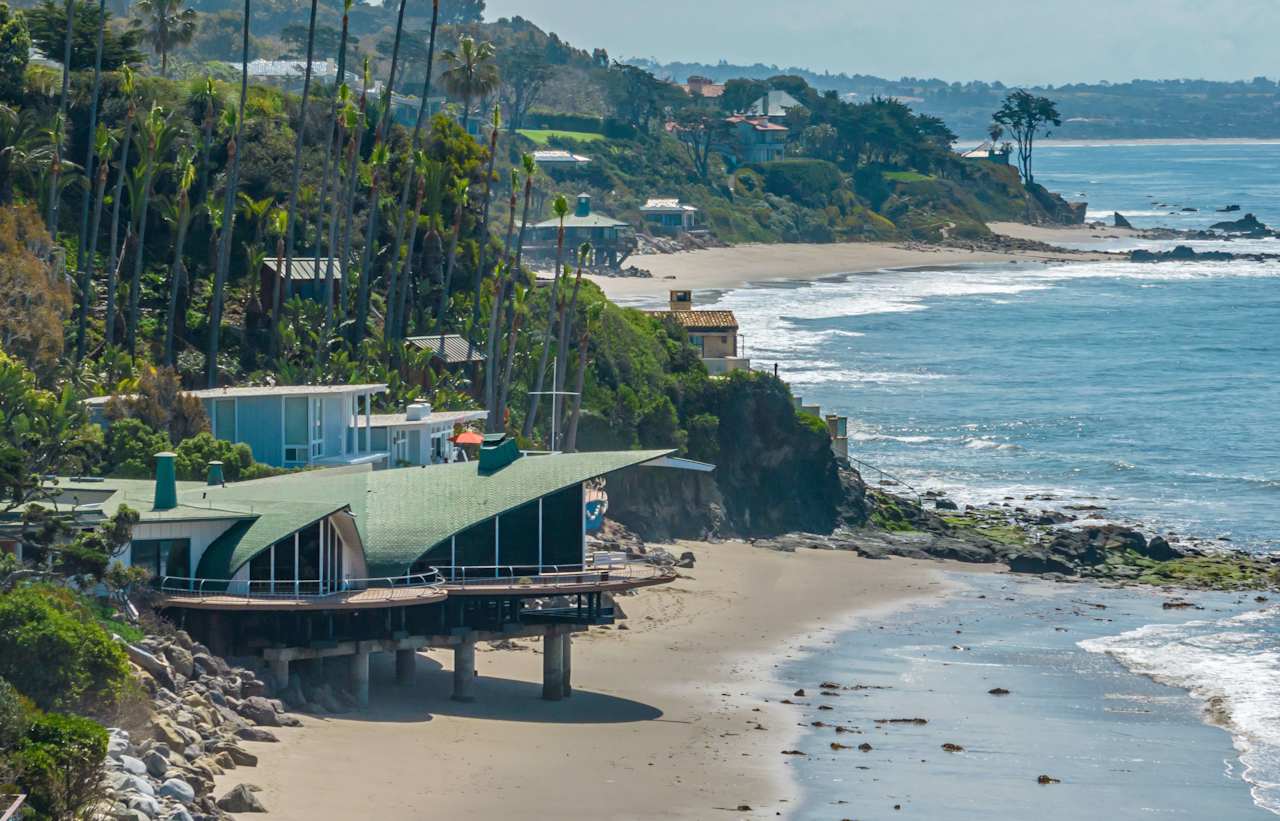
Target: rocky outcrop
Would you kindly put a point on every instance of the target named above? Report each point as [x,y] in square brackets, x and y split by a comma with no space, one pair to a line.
[1248,225]
[1119,221]
[203,710]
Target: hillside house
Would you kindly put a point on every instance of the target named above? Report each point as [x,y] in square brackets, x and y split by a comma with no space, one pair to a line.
[307,279]
[713,333]
[668,215]
[757,139]
[705,87]
[420,436]
[612,241]
[773,106]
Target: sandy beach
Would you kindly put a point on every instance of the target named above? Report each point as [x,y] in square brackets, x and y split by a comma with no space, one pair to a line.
[668,718]
[741,265]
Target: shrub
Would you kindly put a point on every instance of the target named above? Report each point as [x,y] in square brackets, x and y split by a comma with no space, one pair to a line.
[131,448]
[807,182]
[15,47]
[60,764]
[15,717]
[55,653]
[195,454]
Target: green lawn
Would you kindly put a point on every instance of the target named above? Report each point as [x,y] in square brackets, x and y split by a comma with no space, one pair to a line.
[906,176]
[541,136]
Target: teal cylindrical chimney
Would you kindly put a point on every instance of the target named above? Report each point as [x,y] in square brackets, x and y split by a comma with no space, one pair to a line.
[166,482]
[584,206]
[215,473]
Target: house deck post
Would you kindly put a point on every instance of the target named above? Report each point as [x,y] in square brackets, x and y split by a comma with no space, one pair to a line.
[280,671]
[360,677]
[406,666]
[552,664]
[464,670]
[566,651]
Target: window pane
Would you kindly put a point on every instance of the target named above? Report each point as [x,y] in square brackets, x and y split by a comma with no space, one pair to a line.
[379,439]
[179,559]
[224,411]
[284,565]
[295,420]
[146,553]
[260,572]
[309,559]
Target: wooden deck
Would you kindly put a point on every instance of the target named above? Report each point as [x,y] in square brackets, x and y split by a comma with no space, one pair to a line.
[367,599]
[568,583]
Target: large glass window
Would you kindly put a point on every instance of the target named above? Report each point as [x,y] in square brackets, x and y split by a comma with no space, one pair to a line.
[163,557]
[309,560]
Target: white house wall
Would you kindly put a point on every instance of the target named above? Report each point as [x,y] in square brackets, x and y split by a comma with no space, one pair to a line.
[201,533]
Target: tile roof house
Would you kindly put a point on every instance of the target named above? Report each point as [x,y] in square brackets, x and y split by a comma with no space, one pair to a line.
[713,333]
[758,139]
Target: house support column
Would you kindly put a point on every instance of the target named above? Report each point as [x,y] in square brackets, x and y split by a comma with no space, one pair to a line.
[553,675]
[406,666]
[464,670]
[360,677]
[566,652]
[280,672]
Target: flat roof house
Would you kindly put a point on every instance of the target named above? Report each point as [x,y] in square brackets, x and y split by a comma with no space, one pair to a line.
[308,278]
[667,215]
[350,562]
[420,436]
[713,333]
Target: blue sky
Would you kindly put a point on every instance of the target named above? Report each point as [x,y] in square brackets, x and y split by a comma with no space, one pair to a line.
[1030,41]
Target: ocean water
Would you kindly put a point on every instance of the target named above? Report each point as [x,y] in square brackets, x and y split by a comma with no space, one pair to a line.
[1147,390]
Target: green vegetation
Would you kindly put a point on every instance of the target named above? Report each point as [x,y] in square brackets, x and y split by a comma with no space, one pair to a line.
[59,763]
[990,524]
[906,176]
[543,136]
[1225,572]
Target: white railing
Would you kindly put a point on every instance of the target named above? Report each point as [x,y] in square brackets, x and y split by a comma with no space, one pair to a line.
[550,574]
[179,586]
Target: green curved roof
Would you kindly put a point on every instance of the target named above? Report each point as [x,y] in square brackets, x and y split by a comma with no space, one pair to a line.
[402,513]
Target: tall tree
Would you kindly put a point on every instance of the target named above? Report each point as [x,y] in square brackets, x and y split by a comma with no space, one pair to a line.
[296,178]
[560,205]
[461,186]
[377,161]
[279,223]
[392,293]
[1025,115]
[86,297]
[481,266]
[167,24]
[55,167]
[103,142]
[525,72]
[341,97]
[114,256]
[568,311]
[155,134]
[228,210]
[472,74]
[186,173]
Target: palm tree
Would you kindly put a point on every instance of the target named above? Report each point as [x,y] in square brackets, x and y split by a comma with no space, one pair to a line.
[560,205]
[103,143]
[342,116]
[564,334]
[411,225]
[472,73]
[167,24]
[377,162]
[503,275]
[339,103]
[24,150]
[90,153]
[484,237]
[127,87]
[205,93]
[513,310]
[356,126]
[299,138]
[55,166]
[279,224]
[460,188]
[186,169]
[155,133]
[425,170]
[229,216]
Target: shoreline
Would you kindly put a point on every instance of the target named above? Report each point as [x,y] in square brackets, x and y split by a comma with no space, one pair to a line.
[664,718]
[741,266]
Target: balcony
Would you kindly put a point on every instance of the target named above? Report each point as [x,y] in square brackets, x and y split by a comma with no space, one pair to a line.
[354,594]
[552,580]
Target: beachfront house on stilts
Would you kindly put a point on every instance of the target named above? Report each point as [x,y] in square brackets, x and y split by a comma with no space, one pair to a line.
[330,566]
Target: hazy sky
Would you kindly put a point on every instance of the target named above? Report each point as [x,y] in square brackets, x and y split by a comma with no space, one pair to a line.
[1023,41]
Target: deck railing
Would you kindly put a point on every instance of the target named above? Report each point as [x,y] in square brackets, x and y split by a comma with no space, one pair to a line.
[179,586]
[550,574]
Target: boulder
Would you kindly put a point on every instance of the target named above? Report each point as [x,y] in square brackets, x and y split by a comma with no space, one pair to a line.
[1120,221]
[1158,548]
[686,559]
[145,804]
[180,659]
[1248,224]
[157,763]
[255,734]
[178,790]
[133,766]
[240,798]
[154,665]
[945,504]
[259,710]
[1039,561]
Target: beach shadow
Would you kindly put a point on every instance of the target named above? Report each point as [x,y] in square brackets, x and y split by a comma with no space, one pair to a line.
[497,699]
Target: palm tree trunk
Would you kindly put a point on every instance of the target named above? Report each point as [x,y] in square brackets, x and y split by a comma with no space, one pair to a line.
[540,374]
[448,270]
[135,281]
[375,182]
[86,288]
[55,194]
[392,294]
[229,212]
[281,267]
[492,361]
[562,349]
[484,247]
[329,148]
[176,273]
[113,282]
[395,303]
[86,282]
[579,382]
[504,387]
[112,262]
[287,271]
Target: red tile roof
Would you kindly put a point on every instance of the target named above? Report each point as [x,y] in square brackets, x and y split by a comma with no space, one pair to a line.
[702,320]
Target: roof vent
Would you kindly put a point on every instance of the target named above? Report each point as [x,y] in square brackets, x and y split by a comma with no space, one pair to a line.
[417,411]
[497,451]
[584,206]
[215,473]
[166,497]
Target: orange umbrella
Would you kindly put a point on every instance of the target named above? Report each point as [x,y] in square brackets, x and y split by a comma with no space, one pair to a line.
[468,437]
